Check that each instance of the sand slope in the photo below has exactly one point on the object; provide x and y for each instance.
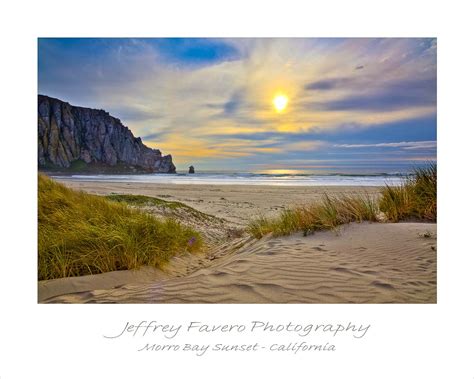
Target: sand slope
(236, 204)
(362, 263)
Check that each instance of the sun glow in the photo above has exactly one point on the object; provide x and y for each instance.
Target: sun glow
(280, 101)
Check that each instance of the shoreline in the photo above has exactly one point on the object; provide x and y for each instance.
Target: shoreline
(237, 204)
(245, 179)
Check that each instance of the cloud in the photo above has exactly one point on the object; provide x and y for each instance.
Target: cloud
(232, 105)
(328, 84)
(405, 145)
(156, 136)
(378, 96)
(134, 113)
(413, 129)
(199, 96)
(304, 145)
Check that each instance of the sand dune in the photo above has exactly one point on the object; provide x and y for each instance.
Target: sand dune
(361, 263)
(236, 204)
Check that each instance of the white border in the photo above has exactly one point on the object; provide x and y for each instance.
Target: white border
(410, 341)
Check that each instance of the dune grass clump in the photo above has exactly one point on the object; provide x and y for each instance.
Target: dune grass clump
(80, 234)
(330, 213)
(148, 201)
(413, 200)
(141, 200)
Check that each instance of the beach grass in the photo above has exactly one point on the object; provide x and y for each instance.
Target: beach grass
(142, 200)
(414, 200)
(80, 234)
(328, 214)
(149, 201)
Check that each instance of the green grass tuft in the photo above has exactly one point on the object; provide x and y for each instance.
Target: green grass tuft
(144, 201)
(80, 234)
(330, 213)
(141, 200)
(415, 199)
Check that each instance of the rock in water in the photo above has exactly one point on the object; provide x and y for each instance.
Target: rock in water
(191, 169)
(69, 134)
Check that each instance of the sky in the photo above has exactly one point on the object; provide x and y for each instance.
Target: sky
(355, 105)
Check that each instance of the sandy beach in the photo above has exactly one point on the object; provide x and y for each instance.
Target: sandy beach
(357, 263)
(234, 203)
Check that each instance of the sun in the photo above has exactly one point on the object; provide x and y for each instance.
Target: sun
(280, 101)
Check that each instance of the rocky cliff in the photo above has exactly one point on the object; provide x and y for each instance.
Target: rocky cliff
(70, 137)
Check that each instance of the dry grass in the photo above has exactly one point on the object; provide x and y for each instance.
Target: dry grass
(328, 214)
(413, 200)
(80, 234)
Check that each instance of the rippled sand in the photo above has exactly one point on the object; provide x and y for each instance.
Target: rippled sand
(361, 263)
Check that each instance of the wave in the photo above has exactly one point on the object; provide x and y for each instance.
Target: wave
(245, 178)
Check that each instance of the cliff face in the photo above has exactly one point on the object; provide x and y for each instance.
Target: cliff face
(68, 134)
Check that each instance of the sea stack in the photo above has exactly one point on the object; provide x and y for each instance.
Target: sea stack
(191, 170)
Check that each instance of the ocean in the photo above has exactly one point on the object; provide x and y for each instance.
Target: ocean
(217, 178)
